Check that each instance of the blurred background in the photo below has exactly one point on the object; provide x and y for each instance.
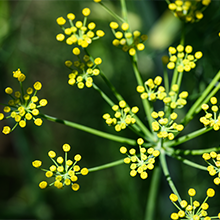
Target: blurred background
(27, 41)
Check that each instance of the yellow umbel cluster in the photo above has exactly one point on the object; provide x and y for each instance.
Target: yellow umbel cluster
(23, 105)
(165, 127)
(211, 119)
(86, 69)
(126, 40)
(153, 91)
(79, 33)
(63, 171)
(182, 59)
(192, 210)
(140, 163)
(213, 160)
(189, 11)
(123, 116)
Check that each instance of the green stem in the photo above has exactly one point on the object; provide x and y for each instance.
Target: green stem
(191, 152)
(196, 107)
(153, 192)
(187, 137)
(190, 163)
(108, 165)
(91, 130)
(104, 96)
(167, 173)
(145, 102)
(166, 78)
(124, 10)
(112, 13)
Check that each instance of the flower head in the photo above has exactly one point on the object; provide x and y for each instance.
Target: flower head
(213, 161)
(140, 163)
(64, 172)
(165, 127)
(85, 70)
(211, 119)
(153, 90)
(192, 210)
(126, 40)
(123, 117)
(189, 11)
(79, 33)
(23, 105)
(182, 59)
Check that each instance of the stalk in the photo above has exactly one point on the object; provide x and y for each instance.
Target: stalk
(91, 130)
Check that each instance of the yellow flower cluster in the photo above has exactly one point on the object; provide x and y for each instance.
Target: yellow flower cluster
(86, 70)
(165, 127)
(211, 119)
(153, 91)
(126, 40)
(192, 210)
(63, 171)
(79, 33)
(189, 11)
(182, 59)
(213, 160)
(123, 116)
(140, 163)
(22, 106)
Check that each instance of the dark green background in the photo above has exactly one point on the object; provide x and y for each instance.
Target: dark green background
(27, 41)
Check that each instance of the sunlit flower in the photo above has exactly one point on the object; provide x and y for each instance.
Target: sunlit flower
(192, 209)
(64, 171)
(79, 33)
(126, 40)
(165, 126)
(23, 105)
(182, 59)
(140, 163)
(213, 161)
(211, 119)
(189, 11)
(153, 90)
(123, 117)
(85, 70)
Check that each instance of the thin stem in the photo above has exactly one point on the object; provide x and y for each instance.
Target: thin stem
(166, 78)
(104, 96)
(190, 163)
(153, 192)
(112, 13)
(172, 151)
(91, 130)
(108, 165)
(167, 173)
(145, 102)
(124, 10)
(187, 137)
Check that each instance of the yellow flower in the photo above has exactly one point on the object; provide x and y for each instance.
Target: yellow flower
(213, 161)
(140, 164)
(211, 119)
(185, 61)
(193, 210)
(126, 40)
(79, 33)
(22, 107)
(86, 70)
(63, 171)
(188, 11)
(123, 117)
